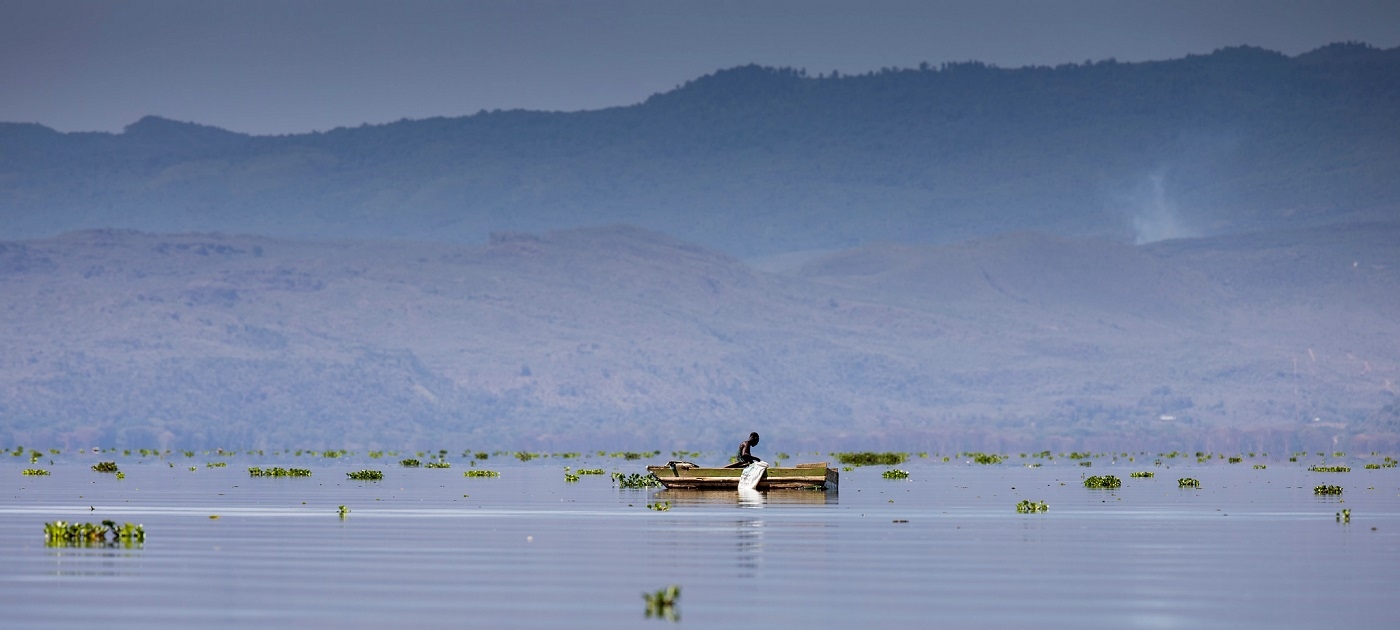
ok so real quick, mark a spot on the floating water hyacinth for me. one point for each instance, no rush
(895, 474)
(60, 533)
(570, 478)
(1143, 474)
(437, 465)
(1029, 507)
(659, 506)
(105, 467)
(278, 472)
(636, 481)
(871, 459)
(1330, 469)
(1344, 516)
(1188, 482)
(1325, 489)
(662, 603)
(35, 472)
(481, 473)
(631, 456)
(410, 463)
(590, 471)
(366, 475)
(1106, 481)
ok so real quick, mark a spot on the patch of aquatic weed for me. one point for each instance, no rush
(867, 458)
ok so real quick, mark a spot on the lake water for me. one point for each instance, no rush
(1253, 548)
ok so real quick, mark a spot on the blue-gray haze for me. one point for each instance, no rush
(286, 67)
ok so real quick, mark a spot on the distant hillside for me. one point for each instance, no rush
(619, 336)
(756, 161)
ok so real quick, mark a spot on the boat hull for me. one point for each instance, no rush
(802, 476)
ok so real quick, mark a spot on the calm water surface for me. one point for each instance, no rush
(945, 548)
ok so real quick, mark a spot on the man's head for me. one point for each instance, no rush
(753, 439)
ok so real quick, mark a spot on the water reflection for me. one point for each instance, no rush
(110, 560)
(749, 541)
(747, 499)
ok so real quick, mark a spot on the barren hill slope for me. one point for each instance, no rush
(630, 337)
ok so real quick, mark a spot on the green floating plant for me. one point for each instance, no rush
(1144, 474)
(343, 511)
(35, 472)
(662, 603)
(636, 481)
(568, 477)
(985, 458)
(631, 456)
(1330, 469)
(410, 463)
(895, 474)
(105, 467)
(1028, 507)
(437, 465)
(871, 459)
(61, 533)
(366, 475)
(1344, 516)
(1106, 481)
(659, 506)
(481, 473)
(1260, 466)
(590, 471)
(1325, 489)
(216, 465)
(278, 472)
(1188, 482)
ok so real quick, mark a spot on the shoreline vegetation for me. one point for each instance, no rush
(106, 458)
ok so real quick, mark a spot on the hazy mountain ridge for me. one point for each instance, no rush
(756, 160)
(633, 338)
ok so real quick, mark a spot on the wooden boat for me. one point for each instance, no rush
(690, 476)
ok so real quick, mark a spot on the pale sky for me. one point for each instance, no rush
(266, 67)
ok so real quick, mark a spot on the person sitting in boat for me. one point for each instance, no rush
(745, 454)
